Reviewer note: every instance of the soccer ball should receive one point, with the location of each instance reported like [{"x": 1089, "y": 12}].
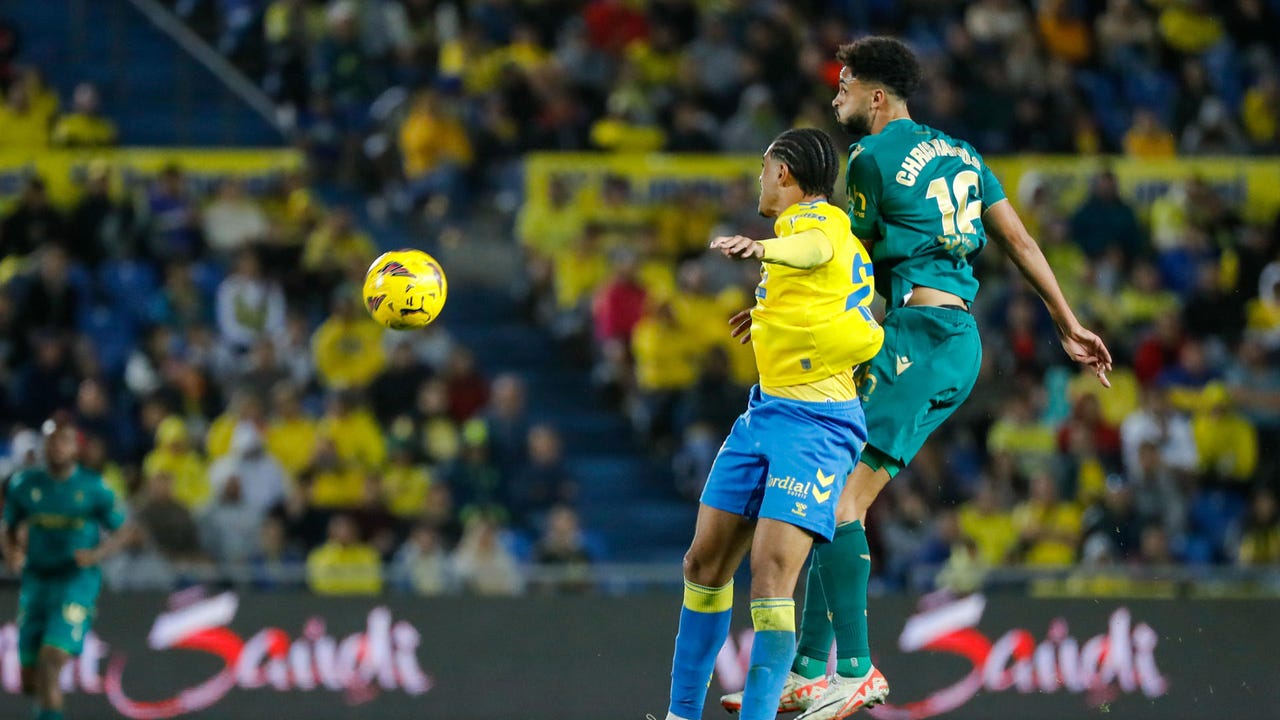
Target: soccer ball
[{"x": 405, "y": 289}]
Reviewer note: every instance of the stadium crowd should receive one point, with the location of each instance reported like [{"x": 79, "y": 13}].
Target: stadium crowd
[{"x": 257, "y": 417}]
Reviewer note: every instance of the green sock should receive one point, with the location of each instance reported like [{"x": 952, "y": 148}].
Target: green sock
[
  {"x": 814, "y": 644},
  {"x": 43, "y": 714},
  {"x": 845, "y": 568}
]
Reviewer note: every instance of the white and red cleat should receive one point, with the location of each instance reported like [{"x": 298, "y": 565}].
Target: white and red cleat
[
  {"x": 798, "y": 693},
  {"x": 846, "y": 696}
]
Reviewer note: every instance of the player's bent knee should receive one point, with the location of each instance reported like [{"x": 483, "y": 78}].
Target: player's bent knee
[
  {"x": 703, "y": 570},
  {"x": 52, "y": 658}
]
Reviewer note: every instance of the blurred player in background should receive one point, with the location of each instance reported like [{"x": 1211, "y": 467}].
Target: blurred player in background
[
  {"x": 64, "y": 509},
  {"x": 924, "y": 202},
  {"x": 778, "y": 476}
]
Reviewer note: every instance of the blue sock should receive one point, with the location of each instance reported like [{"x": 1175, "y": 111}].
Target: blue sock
[
  {"x": 771, "y": 651},
  {"x": 704, "y": 625}
]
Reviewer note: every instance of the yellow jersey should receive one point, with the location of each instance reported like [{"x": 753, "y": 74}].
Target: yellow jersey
[{"x": 812, "y": 324}]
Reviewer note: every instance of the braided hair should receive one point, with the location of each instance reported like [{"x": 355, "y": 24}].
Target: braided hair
[{"x": 811, "y": 156}]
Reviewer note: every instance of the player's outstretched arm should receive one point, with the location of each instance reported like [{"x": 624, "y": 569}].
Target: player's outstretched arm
[
  {"x": 88, "y": 557},
  {"x": 1003, "y": 224}
]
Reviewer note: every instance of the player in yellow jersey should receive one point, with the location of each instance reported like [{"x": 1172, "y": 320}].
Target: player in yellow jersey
[{"x": 778, "y": 477}]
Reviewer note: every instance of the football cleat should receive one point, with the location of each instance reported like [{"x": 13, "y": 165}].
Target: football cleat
[
  {"x": 798, "y": 693},
  {"x": 846, "y": 696}
]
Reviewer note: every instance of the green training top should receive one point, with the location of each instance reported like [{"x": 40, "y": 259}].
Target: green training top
[
  {"x": 916, "y": 198},
  {"x": 62, "y": 516}
]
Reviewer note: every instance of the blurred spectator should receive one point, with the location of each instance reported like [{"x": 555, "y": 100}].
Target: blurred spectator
[
  {"x": 437, "y": 155},
  {"x": 1157, "y": 496},
  {"x": 51, "y": 303},
  {"x": 95, "y": 416},
  {"x": 619, "y": 304},
  {"x": 1226, "y": 443},
  {"x": 1145, "y": 298},
  {"x": 172, "y": 218},
  {"x": 1261, "y": 112},
  {"x": 273, "y": 562},
  {"x": 260, "y": 476},
  {"x": 562, "y": 546},
  {"x": 46, "y": 382},
  {"x": 138, "y": 566},
  {"x": 1213, "y": 310},
  {"x": 405, "y": 483},
  {"x": 334, "y": 248},
  {"x": 292, "y": 434},
  {"x": 230, "y": 526},
  {"x": 1259, "y": 534},
  {"x": 167, "y": 521},
  {"x": 1116, "y": 519},
  {"x": 754, "y": 125},
  {"x": 243, "y": 406},
  {"x": 344, "y": 565},
  {"x": 506, "y": 421},
  {"x": 1106, "y": 221},
  {"x": 332, "y": 482},
  {"x": 180, "y": 303},
  {"x": 1148, "y": 138},
  {"x": 435, "y": 433},
  {"x": 1018, "y": 434},
  {"x": 666, "y": 366},
  {"x": 233, "y": 221},
  {"x": 422, "y": 563},
  {"x": 477, "y": 484},
  {"x": 260, "y": 369},
  {"x": 986, "y": 521},
  {"x": 1213, "y": 132},
  {"x": 83, "y": 126},
  {"x": 100, "y": 226},
  {"x": 186, "y": 478},
  {"x": 691, "y": 462},
  {"x": 1158, "y": 424},
  {"x": 390, "y": 394},
  {"x": 483, "y": 565},
  {"x": 544, "y": 480},
  {"x": 250, "y": 306},
  {"x": 1190, "y": 27},
  {"x": 1048, "y": 528},
  {"x": 343, "y": 69},
  {"x": 1126, "y": 34},
  {"x": 468, "y": 390},
  {"x": 1066, "y": 34},
  {"x": 32, "y": 224},
  {"x": 349, "y": 424},
  {"x": 714, "y": 398},
  {"x": 996, "y": 22},
  {"x": 905, "y": 533},
  {"x": 348, "y": 346},
  {"x": 24, "y": 123}
]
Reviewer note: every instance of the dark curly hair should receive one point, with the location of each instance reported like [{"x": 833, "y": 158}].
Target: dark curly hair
[
  {"x": 883, "y": 60},
  {"x": 811, "y": 156}
]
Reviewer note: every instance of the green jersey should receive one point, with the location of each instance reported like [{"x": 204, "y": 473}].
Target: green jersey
[
  {"x": 62, "y": 516},
  {"x": 916, "y": 198}
]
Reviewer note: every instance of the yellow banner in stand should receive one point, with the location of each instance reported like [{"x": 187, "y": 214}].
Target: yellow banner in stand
[
  {"x": 1249, "y": 183},
  {"x": 64, "y": 171}
]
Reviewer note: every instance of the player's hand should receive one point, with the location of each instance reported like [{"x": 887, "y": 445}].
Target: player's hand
[
  {"x": 741, "y": 326},
  {"x": 16, "y": 561},
  {"x": 738, "y": 247},
  {"x": 86, "y": 557},
  {"x": 1087, "y": 348}
]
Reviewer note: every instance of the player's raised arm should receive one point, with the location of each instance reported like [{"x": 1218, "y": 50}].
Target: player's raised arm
[
  {"x": 1005, "y": 227},
  {"x": 804, "y": 250}
]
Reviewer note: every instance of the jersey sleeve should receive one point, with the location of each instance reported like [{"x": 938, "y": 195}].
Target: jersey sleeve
[
  {"x": 992, "y": 190},
  {"x": 865, "y": 185},
  {"x": 109, "y": 509}
]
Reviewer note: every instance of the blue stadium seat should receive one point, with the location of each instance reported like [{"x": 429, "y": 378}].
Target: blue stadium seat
[
  {"x": 1212, "y": 513},
  {"x": 112, "y": 334},
  {"x": 124, "y": 282}
]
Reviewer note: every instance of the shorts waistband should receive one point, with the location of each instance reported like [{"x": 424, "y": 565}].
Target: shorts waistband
[{"x": 815, "y": 404}]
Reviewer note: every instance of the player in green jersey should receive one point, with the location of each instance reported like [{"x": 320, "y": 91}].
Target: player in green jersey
[
  {"x": 65, "y": 509},
  {"x": 925, "y": 204}
]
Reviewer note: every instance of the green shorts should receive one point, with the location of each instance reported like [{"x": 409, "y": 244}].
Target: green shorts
[
  {"x": 55, "y": 610},
  {"x": 924, "y": 371}
]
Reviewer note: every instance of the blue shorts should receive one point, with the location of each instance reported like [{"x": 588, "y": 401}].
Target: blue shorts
[{"x": 787, "y": 460}]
